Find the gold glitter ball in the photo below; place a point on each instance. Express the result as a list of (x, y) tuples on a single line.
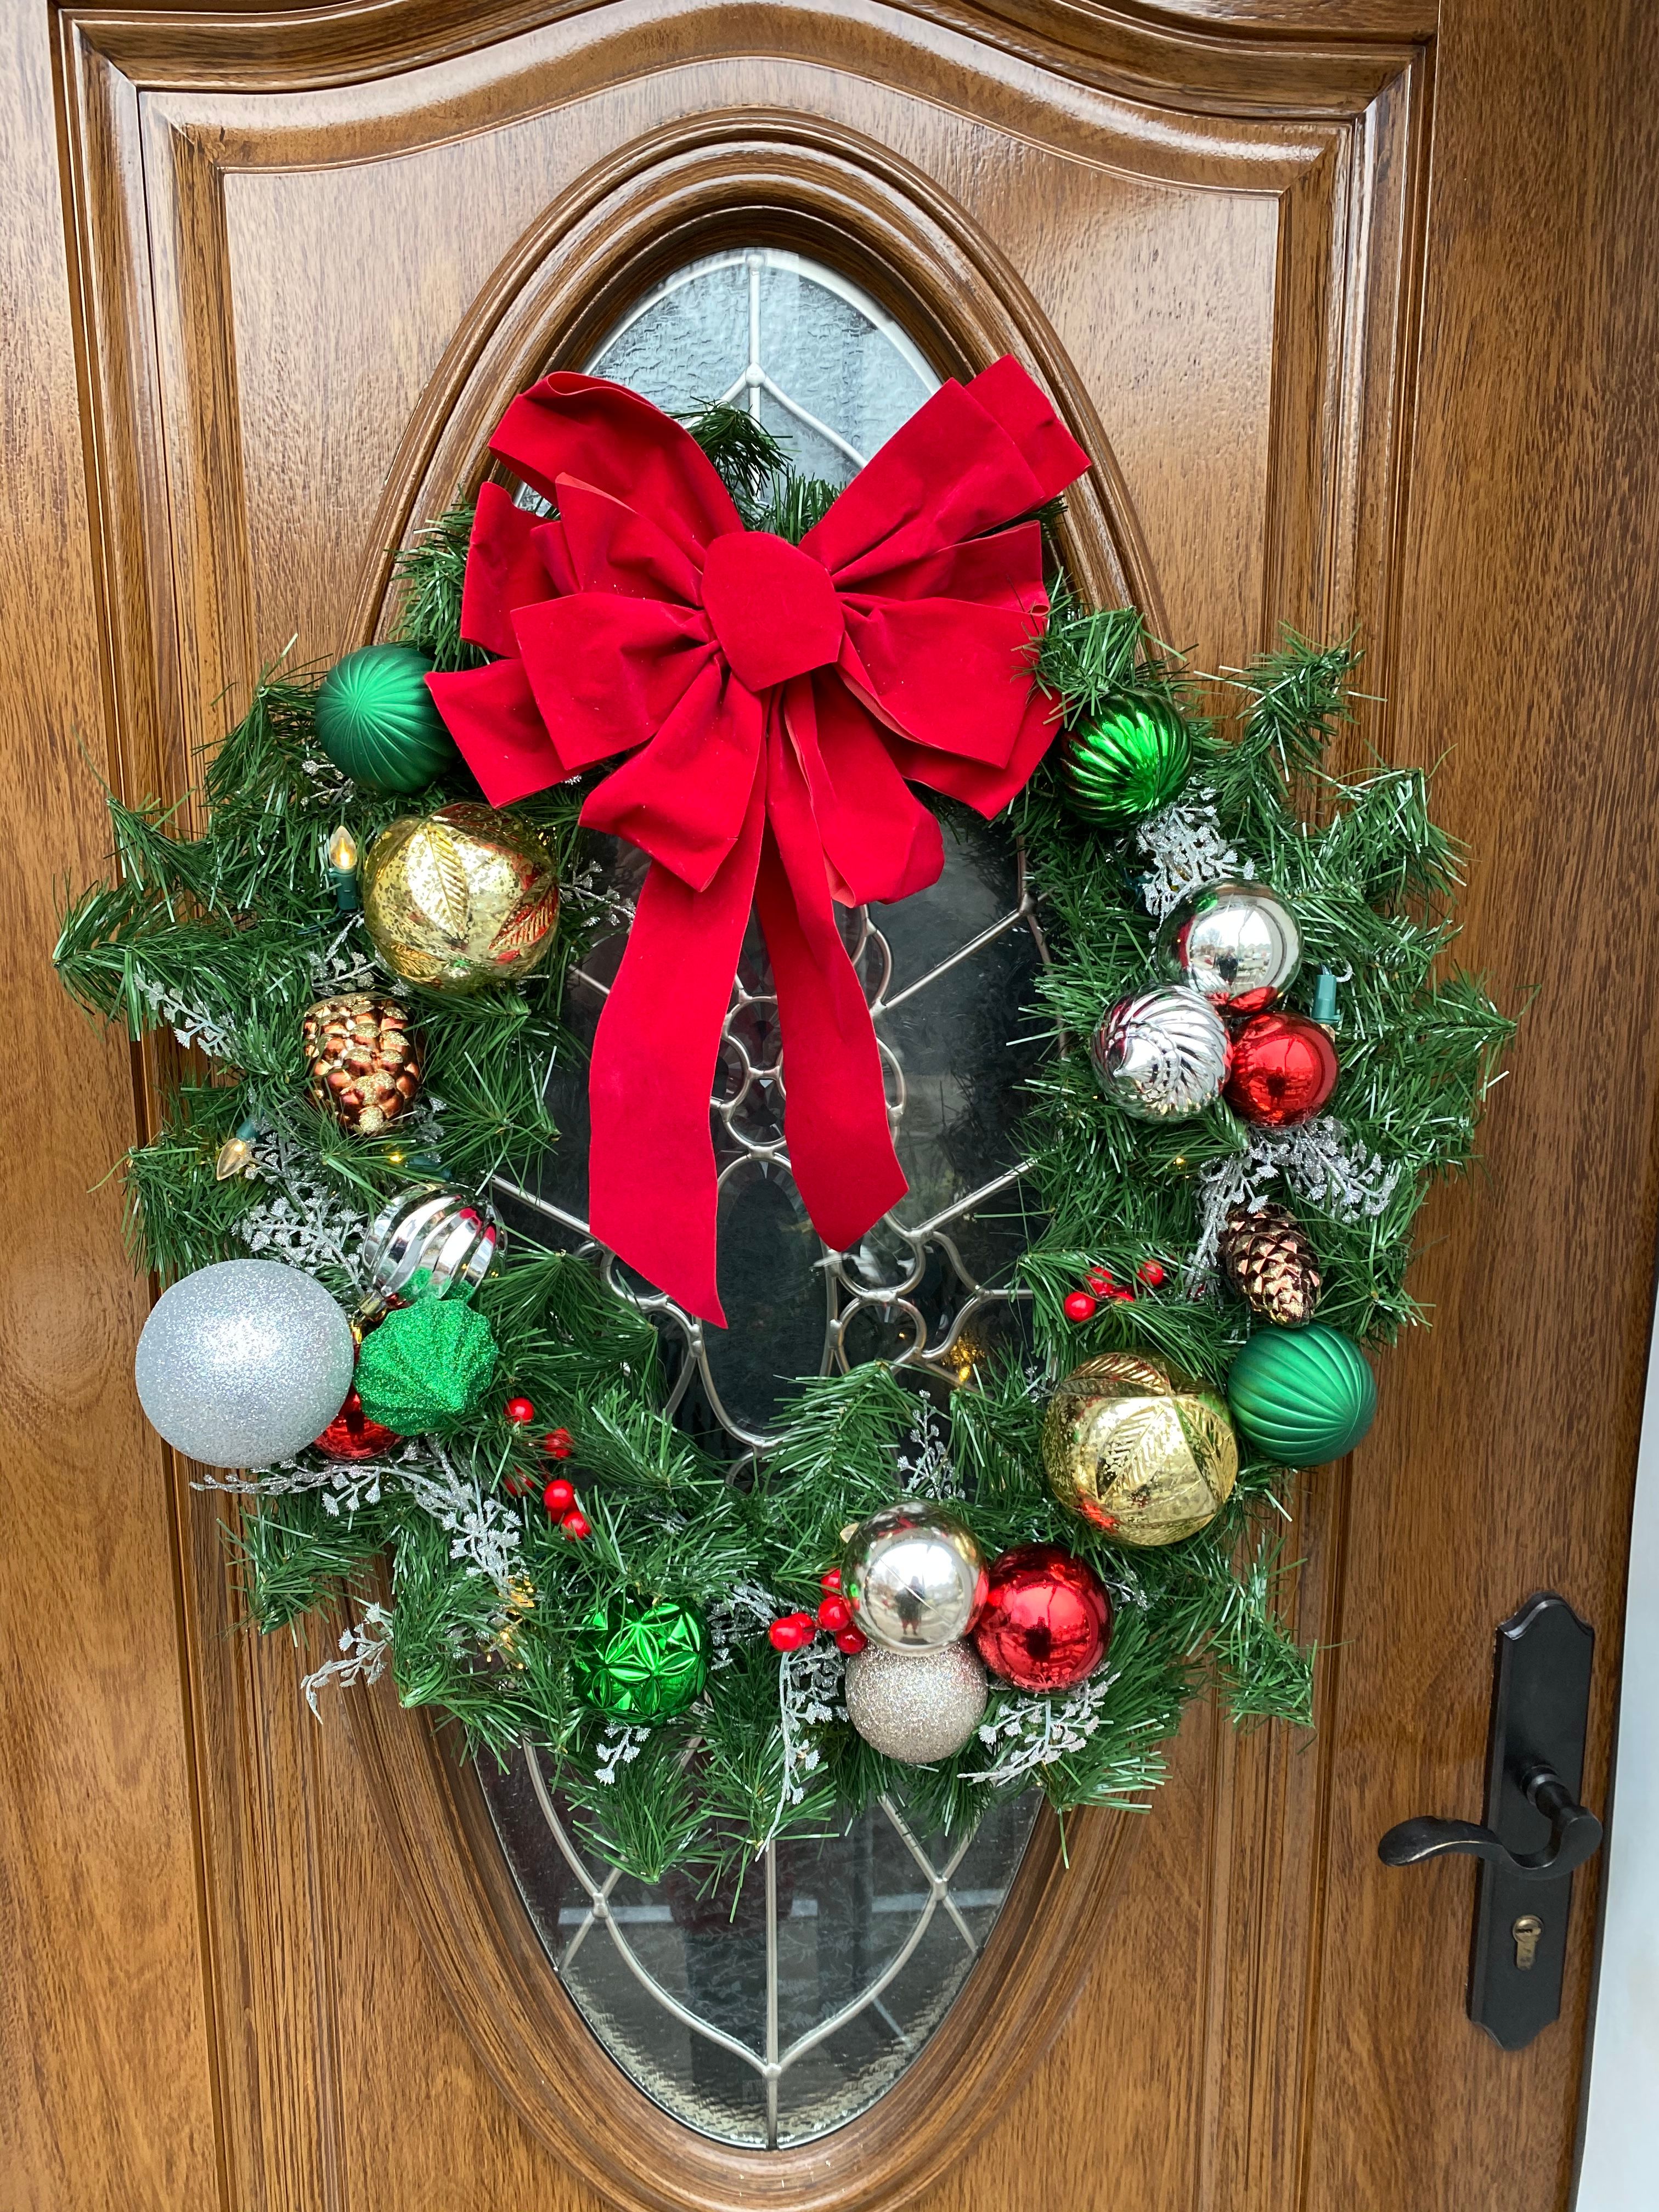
[(1146, 1455), (463, 899)]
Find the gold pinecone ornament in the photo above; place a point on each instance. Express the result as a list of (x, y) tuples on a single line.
[(364, 1066), (1268, 1259)]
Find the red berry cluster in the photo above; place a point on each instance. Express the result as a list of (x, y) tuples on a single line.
[(1083, 1305), (793, 1631), (560, 1496)]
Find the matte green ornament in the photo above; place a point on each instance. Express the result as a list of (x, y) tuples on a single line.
[(426, 1367), (639, 1663), (377, 722), (1301, 1395), (1126, 761)]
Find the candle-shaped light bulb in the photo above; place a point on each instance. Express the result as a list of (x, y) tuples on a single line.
[(342, 868)]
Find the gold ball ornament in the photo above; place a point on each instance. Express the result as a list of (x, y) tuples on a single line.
[(461, 899), (1146, 1455)]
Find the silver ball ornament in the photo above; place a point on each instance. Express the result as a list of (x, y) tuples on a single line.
[(914, 1577), (1163, 1053), (1234, 942), (243, 1364), (916, 1705)]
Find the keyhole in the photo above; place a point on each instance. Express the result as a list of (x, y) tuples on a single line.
[(1526, 1931)]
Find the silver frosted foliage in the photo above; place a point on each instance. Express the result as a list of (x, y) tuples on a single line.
[(1162, 1053), (914, 1577), (916, 1705), (1234, 942), (242, 1364)]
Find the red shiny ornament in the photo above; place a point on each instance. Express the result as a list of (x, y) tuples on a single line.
[(791, 1632), (520, 1412), (559, 1497), (558, 1444), (831, 1581), (1284, 1070), (1080, 1306), (1047, 1619), (1100, 1280), (352, 1434), (852, 1641), (575, 1524), (834, 1614), (1149, 1273)]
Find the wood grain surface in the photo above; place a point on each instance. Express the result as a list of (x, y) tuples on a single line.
[(1352, 304)]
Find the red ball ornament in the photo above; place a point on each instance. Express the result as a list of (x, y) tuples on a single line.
[(791, 1632), (575, 1524), (519, 1410), (559, 1497), (1046, 1620), (834, 1614), (852, 1641), (1284, 1070), (352, 1434), (1080, 1306), (1150, 1274), (558, 1444)]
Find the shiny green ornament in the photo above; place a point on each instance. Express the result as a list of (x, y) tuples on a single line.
[(1301, 1395), (426, 1367), (640, 1663), (1126, 761), (377, 722)]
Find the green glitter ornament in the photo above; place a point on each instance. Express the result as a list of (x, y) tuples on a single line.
[(642, 1663), (377, 722), (426, 1367), (1301, 1395), (1126, 761)]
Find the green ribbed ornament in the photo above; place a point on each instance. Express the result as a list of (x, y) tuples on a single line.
[(1126, 761), (640, 1663), (377, 722), (1301, 1395), (426, 1367)]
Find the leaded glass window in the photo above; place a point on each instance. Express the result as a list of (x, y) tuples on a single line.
[(779, 2006)]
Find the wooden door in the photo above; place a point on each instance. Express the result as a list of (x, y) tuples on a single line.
[(1351, 299)]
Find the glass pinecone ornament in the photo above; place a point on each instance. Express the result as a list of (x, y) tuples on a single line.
[(365, 1067), (461, 900), (377, 722), (1268, 1259), (1162, 1054), (639, 1663), (1128, 760)]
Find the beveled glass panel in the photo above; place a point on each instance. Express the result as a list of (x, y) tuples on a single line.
[(781, 2007)]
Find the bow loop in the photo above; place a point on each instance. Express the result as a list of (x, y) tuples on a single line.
[(775, 701)]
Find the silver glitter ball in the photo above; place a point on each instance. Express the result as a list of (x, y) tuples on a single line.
[(914, 1577), (1162, 1053), (916, 1705), (1234, 942), (243, 1364)]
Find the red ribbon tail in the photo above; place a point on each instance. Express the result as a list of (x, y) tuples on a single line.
[(841, 1146), (651, 1188)]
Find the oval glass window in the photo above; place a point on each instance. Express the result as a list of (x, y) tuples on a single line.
[(770, 2011)]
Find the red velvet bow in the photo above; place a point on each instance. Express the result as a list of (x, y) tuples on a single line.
[(773, 699)]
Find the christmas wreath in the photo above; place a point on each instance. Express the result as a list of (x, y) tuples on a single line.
[(458, 1436)]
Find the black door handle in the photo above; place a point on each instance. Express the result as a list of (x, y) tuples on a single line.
[(1574, 1834)]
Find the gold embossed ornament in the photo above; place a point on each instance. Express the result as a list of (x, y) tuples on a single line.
[(463, 899), (1146, 1455), (364, 1066)]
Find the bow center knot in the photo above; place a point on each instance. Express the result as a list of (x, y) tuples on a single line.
[(773, 609)]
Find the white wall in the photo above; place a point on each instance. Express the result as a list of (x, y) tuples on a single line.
[(1620, 2170)]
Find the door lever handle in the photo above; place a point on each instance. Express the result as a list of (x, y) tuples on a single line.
[(1574, 1834)]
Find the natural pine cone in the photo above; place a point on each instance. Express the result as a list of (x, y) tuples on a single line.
[(1270, 1263), (364, 1070)]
